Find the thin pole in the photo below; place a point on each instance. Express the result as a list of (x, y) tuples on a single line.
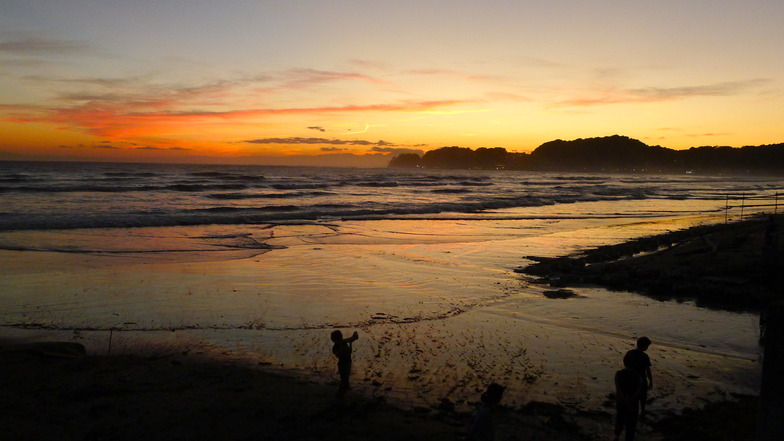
[(742, 205), (727, 209)]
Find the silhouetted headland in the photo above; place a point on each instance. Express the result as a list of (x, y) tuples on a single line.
[(610, 154)]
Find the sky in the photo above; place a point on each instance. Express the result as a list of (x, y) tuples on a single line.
[(353, 83)]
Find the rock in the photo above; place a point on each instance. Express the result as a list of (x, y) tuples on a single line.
[(561, 294)]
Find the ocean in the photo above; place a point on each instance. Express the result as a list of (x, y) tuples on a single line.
[(48, 195), (258, 264)]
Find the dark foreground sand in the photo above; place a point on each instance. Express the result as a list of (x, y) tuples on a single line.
[(51, 392), (55, 392), (50, 396)]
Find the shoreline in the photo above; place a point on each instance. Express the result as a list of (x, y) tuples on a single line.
[(174, 397), (731, 267)]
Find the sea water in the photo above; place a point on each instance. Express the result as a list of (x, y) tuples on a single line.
[(46, 196), (259, 264)]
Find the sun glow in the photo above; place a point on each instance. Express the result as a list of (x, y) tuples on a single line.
[(163, 95)]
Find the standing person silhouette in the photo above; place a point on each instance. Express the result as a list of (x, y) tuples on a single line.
[(342, 350), (483, 426), (628, 386), (641, 363)]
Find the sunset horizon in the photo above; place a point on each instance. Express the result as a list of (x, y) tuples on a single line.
[(301, 84), (413, 219)]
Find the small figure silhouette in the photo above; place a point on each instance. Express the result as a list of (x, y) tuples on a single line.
[(641, 363), (628, 386), (483, 426), (342, 350)]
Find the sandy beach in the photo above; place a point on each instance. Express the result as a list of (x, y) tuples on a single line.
[(52, 392), (409, 375), (50, 397)]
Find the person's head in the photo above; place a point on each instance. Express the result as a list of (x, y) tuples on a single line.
[(493, 394), (336, 336), (643, 343)]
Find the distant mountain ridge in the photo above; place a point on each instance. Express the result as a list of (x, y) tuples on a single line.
[(615, 153)]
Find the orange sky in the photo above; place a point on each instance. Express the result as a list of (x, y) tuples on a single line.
[(301, 83)]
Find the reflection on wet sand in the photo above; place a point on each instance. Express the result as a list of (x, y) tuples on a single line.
[(441, 315)]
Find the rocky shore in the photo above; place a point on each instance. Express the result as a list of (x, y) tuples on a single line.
[(733, 266)]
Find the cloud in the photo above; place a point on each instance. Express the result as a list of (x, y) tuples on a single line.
[(112, 84), (333, 149), (364, 129), (41, 46), (328, 159), (124, 108), (307, 77), (701, 135), (396, 151), (660, 94), (127, 118), (148, 147), (113, 146), (133, 87), (507, 96), (297, 140), (719, 89), (370, 64)]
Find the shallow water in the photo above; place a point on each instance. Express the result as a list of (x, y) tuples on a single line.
[(439, 309)]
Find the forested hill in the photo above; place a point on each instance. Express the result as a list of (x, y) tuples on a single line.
[(607, 154)]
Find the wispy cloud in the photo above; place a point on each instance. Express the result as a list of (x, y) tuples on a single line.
[(660, 94), (317, 141), (396, 151), (139, 107), (707, 135), (364, 129), (308, 77), (122, 118), (370, 64), (41, 46), (106, 145), (719, 89)]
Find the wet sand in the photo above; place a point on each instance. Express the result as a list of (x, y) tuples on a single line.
[(420, 364)]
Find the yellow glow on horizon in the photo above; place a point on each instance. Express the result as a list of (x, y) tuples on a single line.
[(423, 125), (668, 75)]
